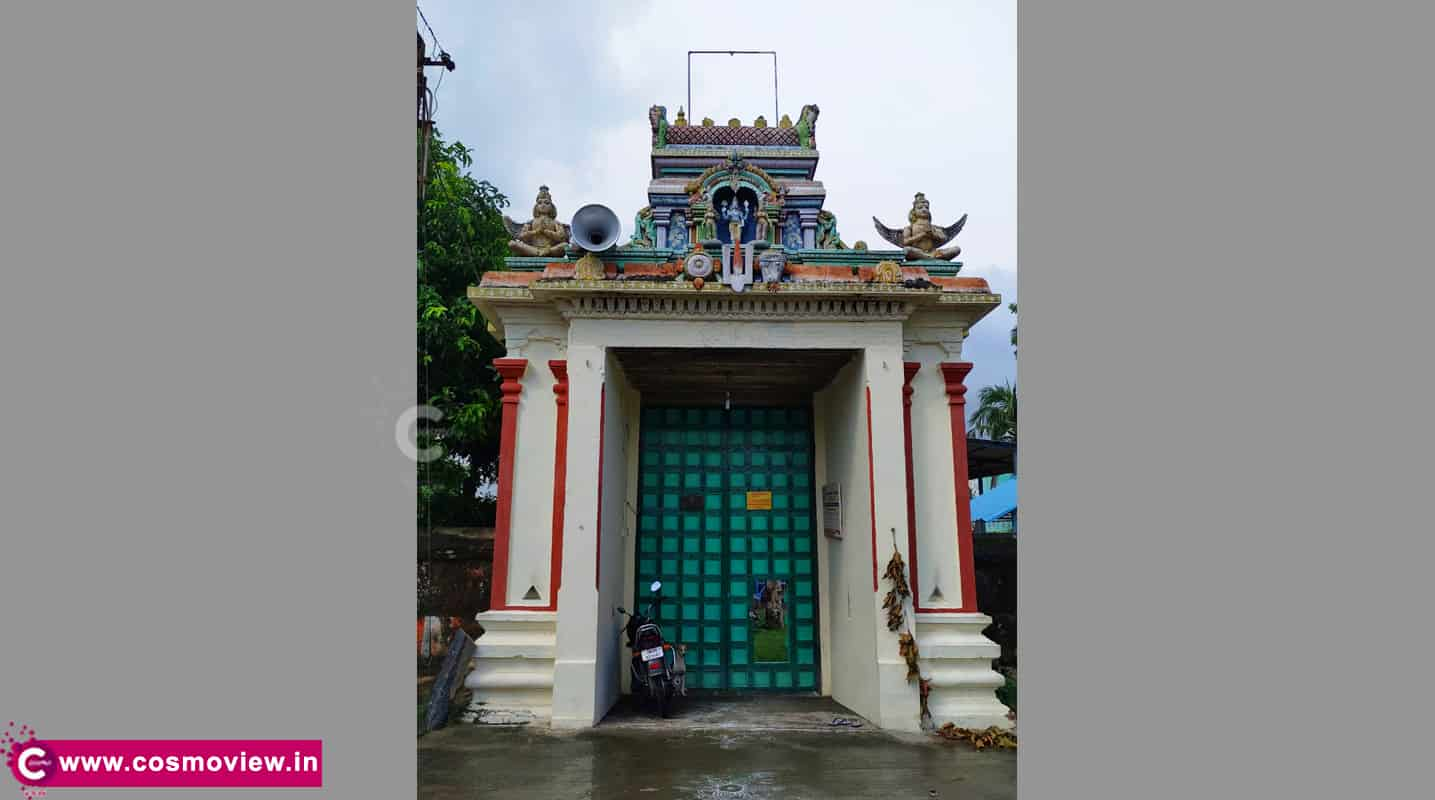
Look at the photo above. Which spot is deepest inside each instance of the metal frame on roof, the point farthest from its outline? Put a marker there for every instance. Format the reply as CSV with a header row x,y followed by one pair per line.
x,y
986,457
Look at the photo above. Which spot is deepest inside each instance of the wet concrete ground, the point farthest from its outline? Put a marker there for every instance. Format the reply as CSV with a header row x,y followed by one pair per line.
x,y
718,749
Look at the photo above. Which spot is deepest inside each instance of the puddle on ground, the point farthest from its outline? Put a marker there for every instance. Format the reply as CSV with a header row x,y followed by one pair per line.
x,y
755,786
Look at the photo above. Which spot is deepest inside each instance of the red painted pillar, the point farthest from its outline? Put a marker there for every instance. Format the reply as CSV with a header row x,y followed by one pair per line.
x,y
871,489
560,477
910,369
598,526
953,373
511,369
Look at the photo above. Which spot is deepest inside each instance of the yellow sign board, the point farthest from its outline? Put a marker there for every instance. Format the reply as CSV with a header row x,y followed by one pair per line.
x,y
759,501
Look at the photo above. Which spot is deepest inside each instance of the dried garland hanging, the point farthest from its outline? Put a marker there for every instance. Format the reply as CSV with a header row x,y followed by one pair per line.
x,y
895,604
897,574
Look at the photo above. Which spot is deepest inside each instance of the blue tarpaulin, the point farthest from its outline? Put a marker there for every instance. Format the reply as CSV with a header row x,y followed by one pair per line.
x,y
995,502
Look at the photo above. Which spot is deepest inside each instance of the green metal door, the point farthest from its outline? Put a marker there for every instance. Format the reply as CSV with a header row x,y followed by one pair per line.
x,y
740,576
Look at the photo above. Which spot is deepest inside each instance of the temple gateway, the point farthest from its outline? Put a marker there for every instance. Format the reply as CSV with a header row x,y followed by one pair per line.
x,y
738,403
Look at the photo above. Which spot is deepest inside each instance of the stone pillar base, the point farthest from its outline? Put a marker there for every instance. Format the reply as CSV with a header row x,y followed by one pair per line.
x,y
958,660
512,677
899,706
575,705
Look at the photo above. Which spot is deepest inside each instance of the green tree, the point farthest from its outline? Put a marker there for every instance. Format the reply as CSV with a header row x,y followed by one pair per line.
x,y
995,417
461,236
1012,306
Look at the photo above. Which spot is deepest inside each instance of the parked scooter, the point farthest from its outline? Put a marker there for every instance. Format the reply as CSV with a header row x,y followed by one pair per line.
x,y
659,671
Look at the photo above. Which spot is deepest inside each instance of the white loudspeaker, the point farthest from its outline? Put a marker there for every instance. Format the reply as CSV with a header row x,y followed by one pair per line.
x,y
595,228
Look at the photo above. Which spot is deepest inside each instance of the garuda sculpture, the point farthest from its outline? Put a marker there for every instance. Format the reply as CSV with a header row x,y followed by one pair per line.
x,y
921,239
542,236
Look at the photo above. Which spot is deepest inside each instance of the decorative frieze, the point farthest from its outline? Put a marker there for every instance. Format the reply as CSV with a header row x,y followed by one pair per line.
x,y
734,308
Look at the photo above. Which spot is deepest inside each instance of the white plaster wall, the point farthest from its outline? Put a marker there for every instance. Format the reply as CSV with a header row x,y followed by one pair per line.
x,y
617,538
819,335
824,570
600,430
847,595
899,701
633,416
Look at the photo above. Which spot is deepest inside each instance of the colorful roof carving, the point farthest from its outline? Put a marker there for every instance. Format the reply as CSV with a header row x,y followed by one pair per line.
x,y
802,134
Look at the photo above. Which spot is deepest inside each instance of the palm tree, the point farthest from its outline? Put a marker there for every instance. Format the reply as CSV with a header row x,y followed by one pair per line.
x,y
995,417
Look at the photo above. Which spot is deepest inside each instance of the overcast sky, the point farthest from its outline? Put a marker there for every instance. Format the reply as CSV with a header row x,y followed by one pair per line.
x,y
914,97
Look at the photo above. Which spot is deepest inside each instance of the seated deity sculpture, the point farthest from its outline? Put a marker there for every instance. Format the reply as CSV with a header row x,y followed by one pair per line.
x,y
543,236
921,239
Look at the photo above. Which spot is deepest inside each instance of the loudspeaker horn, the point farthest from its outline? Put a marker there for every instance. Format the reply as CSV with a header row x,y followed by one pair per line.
x,y
595,228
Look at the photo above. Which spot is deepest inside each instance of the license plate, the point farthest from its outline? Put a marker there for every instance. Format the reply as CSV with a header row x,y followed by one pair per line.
x,y
652,654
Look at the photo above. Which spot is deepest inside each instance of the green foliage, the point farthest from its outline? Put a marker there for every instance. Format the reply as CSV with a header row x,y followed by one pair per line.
x,y
995,417
461,235
1007,693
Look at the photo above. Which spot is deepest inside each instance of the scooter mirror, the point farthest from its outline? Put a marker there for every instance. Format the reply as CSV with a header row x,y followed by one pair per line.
x,y
656,586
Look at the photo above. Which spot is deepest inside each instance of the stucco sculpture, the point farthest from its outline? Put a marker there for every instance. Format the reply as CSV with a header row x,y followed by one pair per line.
x,y
827,236
921,239
658,120
735,217
762,234
807,127
645,232
543,236
887,272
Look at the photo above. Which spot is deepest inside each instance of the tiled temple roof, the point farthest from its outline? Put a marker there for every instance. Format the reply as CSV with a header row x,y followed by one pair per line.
x,y
724,136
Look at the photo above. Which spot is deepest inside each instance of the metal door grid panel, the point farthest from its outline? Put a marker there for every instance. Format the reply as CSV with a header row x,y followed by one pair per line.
x,y
710,559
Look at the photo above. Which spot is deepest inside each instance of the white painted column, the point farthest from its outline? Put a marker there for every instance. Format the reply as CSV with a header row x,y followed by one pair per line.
x,y
662,218
809,227
575,669
540,336
512,677
938,584
955,655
